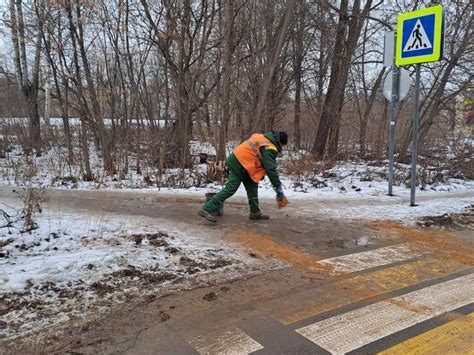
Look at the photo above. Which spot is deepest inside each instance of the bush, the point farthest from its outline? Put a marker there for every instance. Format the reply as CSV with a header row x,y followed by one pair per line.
x,y
32,199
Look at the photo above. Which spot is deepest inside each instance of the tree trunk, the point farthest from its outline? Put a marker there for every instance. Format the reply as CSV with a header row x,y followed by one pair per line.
x,y
47,97
29,87
328,114
62,99
98,119
258,123
354,29
298,62
228,50
347,35
381,130
85,151
64,104
368,108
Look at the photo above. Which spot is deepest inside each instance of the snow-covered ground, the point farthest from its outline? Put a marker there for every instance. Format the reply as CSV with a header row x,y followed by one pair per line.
x,y
383,207
74,264
350,180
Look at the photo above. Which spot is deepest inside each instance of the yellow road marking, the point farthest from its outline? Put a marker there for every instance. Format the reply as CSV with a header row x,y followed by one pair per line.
x,y
360,287
445,244
455,337
352,330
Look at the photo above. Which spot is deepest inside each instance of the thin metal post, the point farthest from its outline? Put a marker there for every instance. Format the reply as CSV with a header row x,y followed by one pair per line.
x,y
393,119
414,144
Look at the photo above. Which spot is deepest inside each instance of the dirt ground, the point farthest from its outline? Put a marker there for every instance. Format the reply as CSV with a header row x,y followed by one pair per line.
x,y
299,236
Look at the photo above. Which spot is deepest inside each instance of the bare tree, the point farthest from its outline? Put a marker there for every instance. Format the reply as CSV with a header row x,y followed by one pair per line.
x,y
348,30
272,63
229,15
52,33
147,77
28,79
365,93
184,42
298,56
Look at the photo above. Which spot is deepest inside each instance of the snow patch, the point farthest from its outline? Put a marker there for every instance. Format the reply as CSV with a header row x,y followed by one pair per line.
x,y
76,264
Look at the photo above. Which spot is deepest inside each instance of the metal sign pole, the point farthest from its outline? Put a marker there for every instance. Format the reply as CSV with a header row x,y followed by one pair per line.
x,y
414,144
393,118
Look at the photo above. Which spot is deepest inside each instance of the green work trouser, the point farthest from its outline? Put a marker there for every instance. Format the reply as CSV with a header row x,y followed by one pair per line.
x,y
231,188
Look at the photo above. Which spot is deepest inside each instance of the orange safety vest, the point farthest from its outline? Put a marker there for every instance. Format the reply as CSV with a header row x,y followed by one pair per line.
x,y
248,154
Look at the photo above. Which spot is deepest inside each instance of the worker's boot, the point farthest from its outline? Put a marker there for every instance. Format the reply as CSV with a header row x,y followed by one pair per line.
x,y
208,216
258,215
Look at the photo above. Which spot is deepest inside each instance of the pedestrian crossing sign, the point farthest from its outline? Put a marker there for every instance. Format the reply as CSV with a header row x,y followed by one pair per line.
x,y
420,36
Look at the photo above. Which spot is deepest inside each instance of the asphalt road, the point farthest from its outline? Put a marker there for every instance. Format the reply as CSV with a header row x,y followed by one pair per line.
x,y
351,286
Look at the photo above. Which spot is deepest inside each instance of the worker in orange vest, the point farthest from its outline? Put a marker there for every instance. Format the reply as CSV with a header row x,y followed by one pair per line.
x,y
248,164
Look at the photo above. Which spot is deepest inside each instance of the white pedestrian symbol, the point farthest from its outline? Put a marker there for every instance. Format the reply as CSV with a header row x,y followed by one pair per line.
x,y
418,39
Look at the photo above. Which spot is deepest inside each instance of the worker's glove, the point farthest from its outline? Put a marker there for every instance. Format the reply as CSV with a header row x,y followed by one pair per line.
x,y
282,201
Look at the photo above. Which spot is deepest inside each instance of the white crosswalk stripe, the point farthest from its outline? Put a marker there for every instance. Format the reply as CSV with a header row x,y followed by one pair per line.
x,y
352,330
372,258
231,342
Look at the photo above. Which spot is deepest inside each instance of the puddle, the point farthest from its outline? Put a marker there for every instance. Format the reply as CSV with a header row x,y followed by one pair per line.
x,y
348,243
362,241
